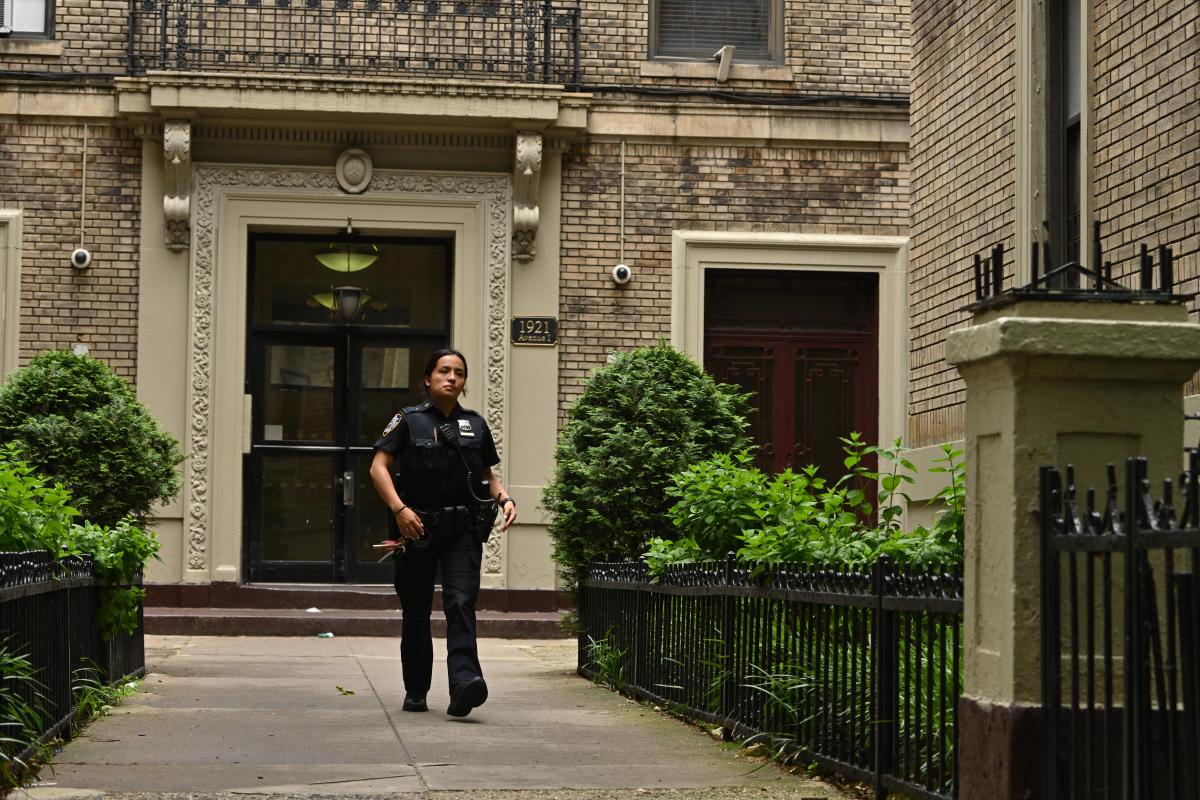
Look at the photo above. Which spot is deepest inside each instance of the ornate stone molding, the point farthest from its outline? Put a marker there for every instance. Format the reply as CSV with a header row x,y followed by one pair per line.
x,y
527,173
353,170
177,172
210,181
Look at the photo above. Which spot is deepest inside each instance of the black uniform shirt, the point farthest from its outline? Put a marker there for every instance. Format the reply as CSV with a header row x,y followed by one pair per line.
x,y
436,478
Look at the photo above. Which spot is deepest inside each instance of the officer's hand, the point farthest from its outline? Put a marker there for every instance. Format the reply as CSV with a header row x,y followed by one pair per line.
x,y
510,515
409,524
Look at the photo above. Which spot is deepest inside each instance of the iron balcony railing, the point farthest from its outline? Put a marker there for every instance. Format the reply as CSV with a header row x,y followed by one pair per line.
x,y
525,41
858,671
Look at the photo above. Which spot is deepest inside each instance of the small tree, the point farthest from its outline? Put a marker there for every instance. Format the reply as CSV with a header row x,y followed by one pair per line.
x,y
647,415
78,423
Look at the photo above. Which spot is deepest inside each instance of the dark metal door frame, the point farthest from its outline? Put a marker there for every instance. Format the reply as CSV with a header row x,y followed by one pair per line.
x,y
348,342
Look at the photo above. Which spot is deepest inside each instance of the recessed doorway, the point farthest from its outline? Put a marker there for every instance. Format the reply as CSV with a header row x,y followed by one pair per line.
x,y
805,345
339,329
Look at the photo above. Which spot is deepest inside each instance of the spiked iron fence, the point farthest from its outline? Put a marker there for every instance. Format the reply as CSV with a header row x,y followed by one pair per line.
x,y
857,671
49,612
1121,638
530,41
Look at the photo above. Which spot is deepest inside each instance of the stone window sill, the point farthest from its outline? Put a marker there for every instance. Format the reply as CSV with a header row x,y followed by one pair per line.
x,y
47,48
708,69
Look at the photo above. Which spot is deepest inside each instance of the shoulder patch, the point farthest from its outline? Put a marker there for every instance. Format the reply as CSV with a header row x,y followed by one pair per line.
x,y
391,426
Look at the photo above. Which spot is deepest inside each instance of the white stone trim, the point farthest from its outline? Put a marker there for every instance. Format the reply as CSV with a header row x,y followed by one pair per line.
x,y
228,201
692,252
10,288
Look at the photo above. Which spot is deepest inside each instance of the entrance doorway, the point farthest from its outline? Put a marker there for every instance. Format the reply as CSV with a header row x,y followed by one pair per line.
x,y
805,344
337,345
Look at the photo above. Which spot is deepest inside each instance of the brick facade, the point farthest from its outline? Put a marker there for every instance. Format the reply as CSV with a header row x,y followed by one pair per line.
x,y
1146,99
964,182
695,187
856,47
91,38
41,173
1145,110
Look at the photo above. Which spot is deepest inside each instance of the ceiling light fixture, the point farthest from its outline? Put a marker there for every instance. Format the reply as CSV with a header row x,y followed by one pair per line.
x,y
345,255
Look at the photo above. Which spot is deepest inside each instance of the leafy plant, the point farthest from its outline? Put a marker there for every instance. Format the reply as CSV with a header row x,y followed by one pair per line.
x,y
80,424
607,660
94,696
21,717
725,503
119,555
648,414
34,515
664,552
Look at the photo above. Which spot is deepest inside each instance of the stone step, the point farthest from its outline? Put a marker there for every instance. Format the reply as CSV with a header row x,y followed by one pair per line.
x,y
222,621
324,596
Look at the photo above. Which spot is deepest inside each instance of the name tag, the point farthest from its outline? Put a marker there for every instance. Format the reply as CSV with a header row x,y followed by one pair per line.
x,y
464,428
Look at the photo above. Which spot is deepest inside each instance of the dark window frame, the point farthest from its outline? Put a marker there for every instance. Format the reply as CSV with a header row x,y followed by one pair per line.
x,y
774,43
47,31
1064,135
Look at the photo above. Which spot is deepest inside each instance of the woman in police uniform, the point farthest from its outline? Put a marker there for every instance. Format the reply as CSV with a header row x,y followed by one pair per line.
x,y
441,456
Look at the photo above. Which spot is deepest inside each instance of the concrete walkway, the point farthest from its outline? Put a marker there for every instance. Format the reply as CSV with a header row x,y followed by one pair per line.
x,y
309,717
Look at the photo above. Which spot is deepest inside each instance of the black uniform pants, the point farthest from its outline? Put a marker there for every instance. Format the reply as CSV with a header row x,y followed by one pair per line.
x,y
459,556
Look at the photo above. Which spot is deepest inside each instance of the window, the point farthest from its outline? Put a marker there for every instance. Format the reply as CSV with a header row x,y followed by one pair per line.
x,y
698,28
1066,69
25,16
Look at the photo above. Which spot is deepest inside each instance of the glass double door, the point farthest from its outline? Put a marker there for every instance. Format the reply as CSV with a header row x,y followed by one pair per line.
x,y
320,402
338,332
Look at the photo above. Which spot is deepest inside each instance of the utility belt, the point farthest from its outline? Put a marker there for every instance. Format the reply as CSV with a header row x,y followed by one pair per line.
x,y
453,521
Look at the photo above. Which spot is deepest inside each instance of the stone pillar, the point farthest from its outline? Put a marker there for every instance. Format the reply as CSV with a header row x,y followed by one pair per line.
x,y
1048,383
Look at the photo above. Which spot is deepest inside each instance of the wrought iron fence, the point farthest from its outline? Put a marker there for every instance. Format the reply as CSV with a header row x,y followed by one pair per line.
x,y
49,613
857,671
531,41
1121,638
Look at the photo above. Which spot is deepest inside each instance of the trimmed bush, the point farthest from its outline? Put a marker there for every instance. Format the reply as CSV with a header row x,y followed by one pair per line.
x,y
78,423
645,416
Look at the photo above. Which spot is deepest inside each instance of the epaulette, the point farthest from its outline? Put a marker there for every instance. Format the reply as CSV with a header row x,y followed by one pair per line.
x,y
428,404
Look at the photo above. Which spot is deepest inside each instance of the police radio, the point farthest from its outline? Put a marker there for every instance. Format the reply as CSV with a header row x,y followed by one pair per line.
x,y
486,507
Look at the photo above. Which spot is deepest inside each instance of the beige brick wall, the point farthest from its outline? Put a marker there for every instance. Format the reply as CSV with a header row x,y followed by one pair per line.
x,y
963,185
857,47
695,187
41,173
89,37
1146,100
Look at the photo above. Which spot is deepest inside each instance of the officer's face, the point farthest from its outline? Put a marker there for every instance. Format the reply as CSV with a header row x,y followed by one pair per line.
x,y
448,378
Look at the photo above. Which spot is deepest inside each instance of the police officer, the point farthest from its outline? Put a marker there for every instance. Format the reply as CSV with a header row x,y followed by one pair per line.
x,y
441,511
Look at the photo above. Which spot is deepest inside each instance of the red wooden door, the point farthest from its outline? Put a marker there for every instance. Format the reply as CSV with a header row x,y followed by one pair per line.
x,y
805,346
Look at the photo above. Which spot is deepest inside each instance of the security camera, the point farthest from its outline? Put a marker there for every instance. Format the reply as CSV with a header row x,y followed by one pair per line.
x,y
81,259
621,274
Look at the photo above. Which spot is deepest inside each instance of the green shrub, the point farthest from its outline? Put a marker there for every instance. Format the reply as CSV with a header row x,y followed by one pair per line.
x,y
726,504
33,515
119,554
80,424
22,717
643,417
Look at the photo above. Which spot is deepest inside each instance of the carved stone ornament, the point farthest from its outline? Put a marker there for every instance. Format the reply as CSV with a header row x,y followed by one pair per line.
x,y
177,182
527,173
354,171
210,182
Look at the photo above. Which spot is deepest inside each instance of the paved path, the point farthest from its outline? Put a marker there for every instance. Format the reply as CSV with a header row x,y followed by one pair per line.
x,y
236,716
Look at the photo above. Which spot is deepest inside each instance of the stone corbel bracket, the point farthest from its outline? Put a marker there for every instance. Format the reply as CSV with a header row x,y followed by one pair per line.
x,y
177,182
527,173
